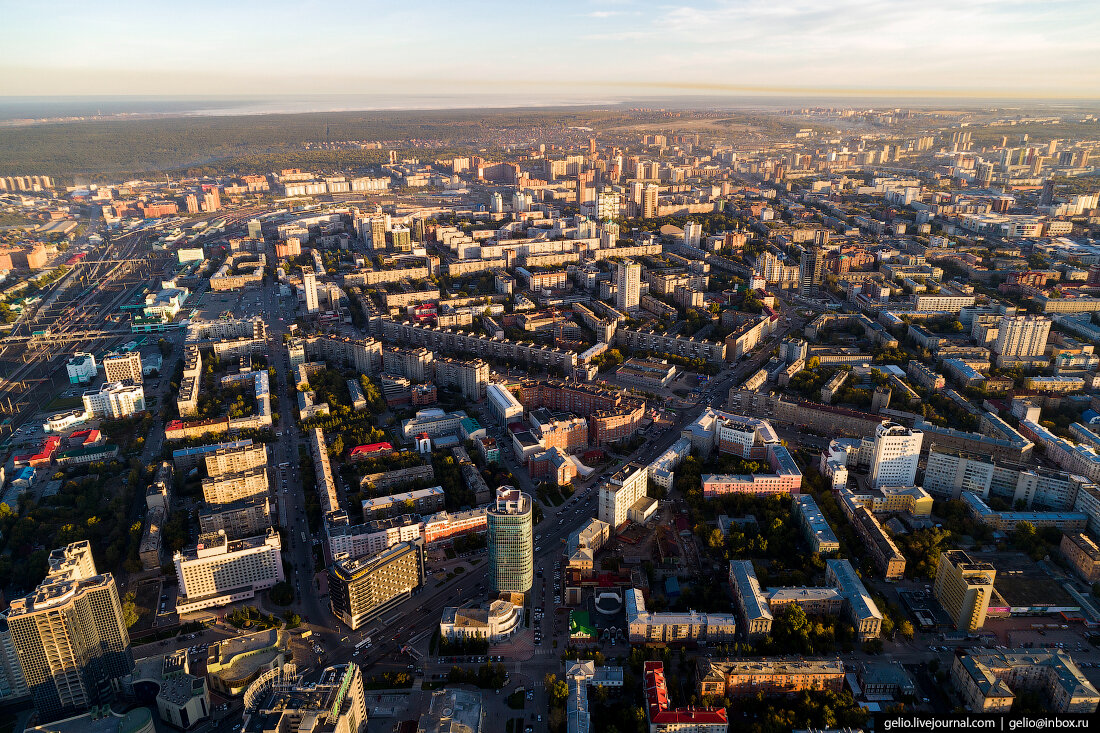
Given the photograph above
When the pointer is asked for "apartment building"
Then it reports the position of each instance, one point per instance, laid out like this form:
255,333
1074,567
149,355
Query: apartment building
660,343
736,678
815,528
988,681
888,558
239,519
471,378
845,595
454,342
663,718
1083,555
664,628
895,454
234,458
228,488
70,636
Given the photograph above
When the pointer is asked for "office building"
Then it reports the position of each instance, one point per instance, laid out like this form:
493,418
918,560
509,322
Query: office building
115,400
81,368
1021,339
235,663
453,711
895,454
511,542
336,703
628,284
493,621
964,587
622,492
122,367
361,589
70,637
219,571
503,405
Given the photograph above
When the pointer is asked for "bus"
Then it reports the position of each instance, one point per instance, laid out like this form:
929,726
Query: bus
363,643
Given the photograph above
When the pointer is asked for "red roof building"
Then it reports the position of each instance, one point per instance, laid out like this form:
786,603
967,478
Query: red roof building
40,457
664,719
374,450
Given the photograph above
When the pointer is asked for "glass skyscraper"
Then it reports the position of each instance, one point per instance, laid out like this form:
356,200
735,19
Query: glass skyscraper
511,542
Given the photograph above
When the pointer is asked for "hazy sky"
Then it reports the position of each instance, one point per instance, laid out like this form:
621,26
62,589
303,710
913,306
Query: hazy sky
602,47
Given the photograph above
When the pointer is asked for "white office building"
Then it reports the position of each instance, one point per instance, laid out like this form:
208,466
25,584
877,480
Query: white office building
81,368
115,400
895,454
621,492
219,571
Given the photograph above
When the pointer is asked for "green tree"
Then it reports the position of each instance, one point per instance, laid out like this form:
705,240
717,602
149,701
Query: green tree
129,609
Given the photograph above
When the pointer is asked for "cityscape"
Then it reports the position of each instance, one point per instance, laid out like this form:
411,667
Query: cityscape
681,407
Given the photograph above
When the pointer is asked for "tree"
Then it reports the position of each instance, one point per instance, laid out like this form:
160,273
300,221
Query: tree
906,629
556,689
129,609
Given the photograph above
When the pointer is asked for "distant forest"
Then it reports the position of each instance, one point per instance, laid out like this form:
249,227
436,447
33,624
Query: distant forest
93,150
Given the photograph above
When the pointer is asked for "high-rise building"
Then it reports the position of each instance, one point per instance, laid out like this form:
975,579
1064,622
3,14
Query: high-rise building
1021,338
649,201
895,455
402,238
628,284
511,542
13,685
122,367
378,226
964,587
607,205
81,368
693,233
336,703
811,271
70,636
255,229
309,285
218,570
621,492
115,400
361,589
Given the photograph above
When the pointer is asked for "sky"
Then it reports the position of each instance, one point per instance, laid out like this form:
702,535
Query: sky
595,49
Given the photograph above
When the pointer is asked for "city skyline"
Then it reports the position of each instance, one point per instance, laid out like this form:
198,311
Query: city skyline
620,48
